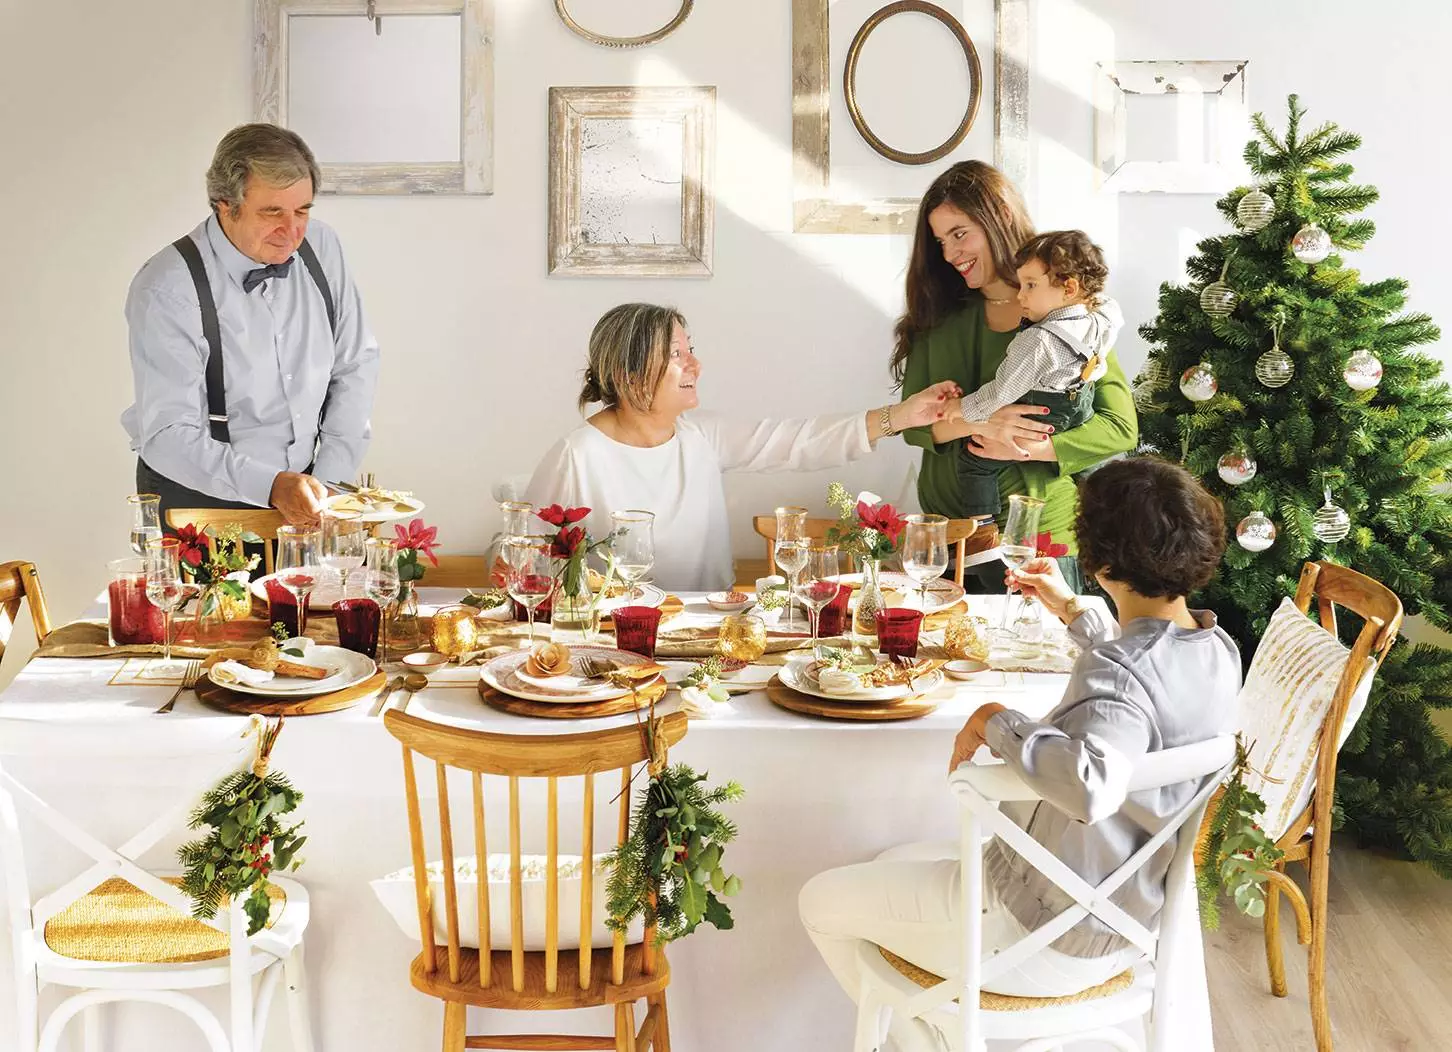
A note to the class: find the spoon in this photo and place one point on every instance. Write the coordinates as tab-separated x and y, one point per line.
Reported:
386	693
412	683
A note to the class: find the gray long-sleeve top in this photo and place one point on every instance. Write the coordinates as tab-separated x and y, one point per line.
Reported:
1152	685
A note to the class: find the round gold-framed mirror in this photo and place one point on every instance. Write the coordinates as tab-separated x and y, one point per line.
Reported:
975	76
644	40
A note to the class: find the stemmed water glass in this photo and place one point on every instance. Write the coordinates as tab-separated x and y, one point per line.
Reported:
816	584
634	547
145	520
530	581
164	584
298	552
380	582
517	516
344	543
925	550
1018	543
790	552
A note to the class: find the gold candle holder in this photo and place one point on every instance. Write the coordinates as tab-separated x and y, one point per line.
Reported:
742	638
454	630
966	636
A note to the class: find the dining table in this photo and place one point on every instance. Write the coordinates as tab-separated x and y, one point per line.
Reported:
819	793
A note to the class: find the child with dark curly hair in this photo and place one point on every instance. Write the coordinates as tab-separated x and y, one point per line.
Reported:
1055	359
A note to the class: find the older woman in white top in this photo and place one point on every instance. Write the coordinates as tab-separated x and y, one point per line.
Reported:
645	449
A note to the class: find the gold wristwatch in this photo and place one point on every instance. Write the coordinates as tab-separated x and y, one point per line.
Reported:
1076	606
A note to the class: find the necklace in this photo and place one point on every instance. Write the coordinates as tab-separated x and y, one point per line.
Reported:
998	303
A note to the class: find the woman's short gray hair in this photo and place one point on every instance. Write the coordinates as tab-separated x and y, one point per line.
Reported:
275	155
630	348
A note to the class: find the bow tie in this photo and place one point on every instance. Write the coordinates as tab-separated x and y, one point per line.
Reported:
261	274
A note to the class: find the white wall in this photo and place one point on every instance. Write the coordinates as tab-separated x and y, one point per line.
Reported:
109	114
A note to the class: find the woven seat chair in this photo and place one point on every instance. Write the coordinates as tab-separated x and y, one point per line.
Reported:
1174	970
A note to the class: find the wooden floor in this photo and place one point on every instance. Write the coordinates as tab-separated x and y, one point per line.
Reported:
1389	965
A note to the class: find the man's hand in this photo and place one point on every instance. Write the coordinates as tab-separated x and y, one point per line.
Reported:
973	734
299	497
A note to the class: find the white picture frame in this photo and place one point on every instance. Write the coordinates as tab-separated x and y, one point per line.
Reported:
1199	169
468	169
595	211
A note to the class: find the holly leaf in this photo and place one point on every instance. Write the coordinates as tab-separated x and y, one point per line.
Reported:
718	913
257	907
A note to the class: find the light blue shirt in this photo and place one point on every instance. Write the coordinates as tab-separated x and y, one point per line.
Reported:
280	362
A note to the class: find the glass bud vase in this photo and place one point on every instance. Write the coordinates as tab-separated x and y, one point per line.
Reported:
869	601
574	615
405	633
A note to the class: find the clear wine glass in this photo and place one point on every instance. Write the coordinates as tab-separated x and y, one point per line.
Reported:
817	583
530	579
517	517
145	520
925	550
344	543
380	582
790	550
299	551
1018	543
634	547
165	586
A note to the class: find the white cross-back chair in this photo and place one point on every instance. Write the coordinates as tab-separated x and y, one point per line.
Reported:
1169	985
247	967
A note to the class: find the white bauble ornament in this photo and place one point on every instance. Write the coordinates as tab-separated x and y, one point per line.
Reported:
1255	210
1331	522
1256	532
1363	370
1218	299
1311	244
1198	382
1236	468
1275	368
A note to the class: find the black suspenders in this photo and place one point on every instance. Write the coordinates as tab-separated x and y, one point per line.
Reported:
212	330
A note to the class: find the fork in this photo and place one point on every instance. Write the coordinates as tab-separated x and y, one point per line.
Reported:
190	675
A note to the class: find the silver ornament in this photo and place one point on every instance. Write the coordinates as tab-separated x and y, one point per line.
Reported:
1236	468
1275	368
1363	370
1218	299
1311	244
1255	532
1198	382
1255	210
1331	522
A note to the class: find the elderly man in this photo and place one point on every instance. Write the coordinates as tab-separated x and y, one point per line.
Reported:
254	375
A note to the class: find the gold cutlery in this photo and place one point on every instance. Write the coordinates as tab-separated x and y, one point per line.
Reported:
190	675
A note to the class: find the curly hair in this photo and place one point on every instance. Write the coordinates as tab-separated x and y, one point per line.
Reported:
1149	524
1067	254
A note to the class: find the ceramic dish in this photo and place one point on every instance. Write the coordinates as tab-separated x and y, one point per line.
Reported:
349	668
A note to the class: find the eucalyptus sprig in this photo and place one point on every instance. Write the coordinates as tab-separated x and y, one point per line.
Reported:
1237	855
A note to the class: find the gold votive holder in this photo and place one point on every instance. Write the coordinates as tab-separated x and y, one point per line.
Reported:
455	632
966	636
742	638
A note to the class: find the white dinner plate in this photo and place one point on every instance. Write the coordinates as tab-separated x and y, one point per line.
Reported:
414	507
794	675
349	669
506	674
327	590
650	596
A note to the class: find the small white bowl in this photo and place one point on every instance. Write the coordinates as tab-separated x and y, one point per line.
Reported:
425	661
718	601
965	668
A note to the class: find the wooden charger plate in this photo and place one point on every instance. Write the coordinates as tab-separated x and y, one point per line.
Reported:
235	701
586	710
909	708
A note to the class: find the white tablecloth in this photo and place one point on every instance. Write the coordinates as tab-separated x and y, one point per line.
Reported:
818	794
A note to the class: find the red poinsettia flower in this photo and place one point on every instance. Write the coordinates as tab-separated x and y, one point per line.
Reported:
881	517
557	515
194	546
1046	547
419	538
567	542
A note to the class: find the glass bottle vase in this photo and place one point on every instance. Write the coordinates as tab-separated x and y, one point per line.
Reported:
574	614
405	633
869	601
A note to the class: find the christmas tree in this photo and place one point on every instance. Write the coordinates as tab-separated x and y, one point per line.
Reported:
1292	388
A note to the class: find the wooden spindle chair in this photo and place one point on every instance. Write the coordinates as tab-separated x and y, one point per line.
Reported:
21	581
261	521
967	537
514	978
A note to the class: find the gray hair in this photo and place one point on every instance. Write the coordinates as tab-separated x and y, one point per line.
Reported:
629	350
275	155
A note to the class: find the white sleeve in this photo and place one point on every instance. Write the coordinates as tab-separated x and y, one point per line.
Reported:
786	445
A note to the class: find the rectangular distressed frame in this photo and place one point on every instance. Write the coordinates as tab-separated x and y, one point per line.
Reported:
696	108
814	209
1114	82
472	174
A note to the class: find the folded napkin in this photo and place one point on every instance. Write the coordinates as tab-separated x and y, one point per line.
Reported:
698	705
230	672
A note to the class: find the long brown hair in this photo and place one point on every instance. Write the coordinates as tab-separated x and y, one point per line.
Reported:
934	288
